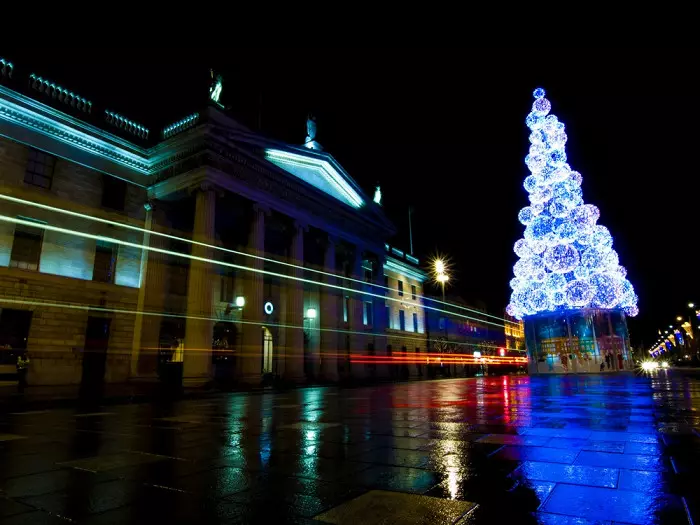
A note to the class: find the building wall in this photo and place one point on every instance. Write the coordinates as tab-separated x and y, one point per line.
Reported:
414	342
57	333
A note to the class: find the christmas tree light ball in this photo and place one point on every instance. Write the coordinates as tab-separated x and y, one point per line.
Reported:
576	178
537	247
593	259
578	293
510	310
522	249
561	174
531	183
538	149
537	209
601	237
581	272
555	282
558	209
567	233
538	228
538	93
558	298
541	106
535	163
557	158
525	215
557	139
606	291
593	212
631	311
561	258
612	260
534	121
621	272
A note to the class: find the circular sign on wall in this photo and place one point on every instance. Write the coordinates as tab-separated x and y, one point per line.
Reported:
269	308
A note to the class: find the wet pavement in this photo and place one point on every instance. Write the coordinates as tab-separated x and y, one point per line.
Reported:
551	450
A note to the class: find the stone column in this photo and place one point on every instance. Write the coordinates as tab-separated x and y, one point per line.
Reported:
358	342
249	363
328	362
199	324
144	349
294	357
381	322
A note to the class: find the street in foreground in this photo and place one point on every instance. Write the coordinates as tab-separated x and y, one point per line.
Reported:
552	450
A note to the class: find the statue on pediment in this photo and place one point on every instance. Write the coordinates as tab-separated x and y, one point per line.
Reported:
310	141
217	85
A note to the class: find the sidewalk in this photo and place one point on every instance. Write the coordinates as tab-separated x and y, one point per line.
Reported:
42	397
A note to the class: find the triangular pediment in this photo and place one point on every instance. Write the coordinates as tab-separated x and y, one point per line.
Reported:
318	170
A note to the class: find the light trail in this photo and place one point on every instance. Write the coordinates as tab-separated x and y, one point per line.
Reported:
58	229
235	252
89	308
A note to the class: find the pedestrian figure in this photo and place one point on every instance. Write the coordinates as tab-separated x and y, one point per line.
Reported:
565	362
607	360
22	370
602	366
619	360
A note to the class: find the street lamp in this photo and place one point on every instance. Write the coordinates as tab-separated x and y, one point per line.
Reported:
440	275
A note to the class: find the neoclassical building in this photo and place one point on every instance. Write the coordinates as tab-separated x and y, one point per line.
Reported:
123	249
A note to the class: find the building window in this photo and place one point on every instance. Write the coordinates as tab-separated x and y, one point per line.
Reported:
226	293
346	308
39	169
388	316
103	269
402	320
415	322
367	269
113	193
400	288
26	248
441	323
367	313
386	281
413	292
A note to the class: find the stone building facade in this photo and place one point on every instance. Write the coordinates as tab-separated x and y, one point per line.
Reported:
122	249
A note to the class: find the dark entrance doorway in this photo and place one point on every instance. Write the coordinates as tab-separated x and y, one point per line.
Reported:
14	332
95	355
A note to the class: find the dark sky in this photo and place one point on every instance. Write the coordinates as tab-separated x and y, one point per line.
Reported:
443	131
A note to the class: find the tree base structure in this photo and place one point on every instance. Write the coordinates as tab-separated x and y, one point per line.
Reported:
578	341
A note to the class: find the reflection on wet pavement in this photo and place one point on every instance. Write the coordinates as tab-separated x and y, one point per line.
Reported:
550	450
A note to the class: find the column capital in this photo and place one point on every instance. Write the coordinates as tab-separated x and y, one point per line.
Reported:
261	208
300	225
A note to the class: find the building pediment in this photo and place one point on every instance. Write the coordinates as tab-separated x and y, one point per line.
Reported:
319	170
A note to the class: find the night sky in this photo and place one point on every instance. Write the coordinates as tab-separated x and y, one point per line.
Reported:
443	131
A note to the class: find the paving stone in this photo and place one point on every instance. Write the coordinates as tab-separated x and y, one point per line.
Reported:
383	507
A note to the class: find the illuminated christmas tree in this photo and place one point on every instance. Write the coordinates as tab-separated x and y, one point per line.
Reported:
566	260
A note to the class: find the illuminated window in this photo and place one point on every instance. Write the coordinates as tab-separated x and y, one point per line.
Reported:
415	322
367	269
402	320
400	288
413	292
26	248
40	167
367	313
103	270
113	193
346	308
